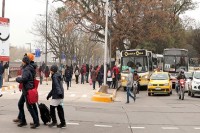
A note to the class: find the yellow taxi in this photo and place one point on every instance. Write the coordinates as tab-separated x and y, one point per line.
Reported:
159	83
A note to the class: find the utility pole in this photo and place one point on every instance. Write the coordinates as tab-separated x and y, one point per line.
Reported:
3	8
46	33
106	43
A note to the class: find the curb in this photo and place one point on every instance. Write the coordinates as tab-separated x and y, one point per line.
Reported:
5	88
104	97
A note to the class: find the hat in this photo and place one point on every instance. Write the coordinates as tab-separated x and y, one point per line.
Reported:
26	60
54	68
30	56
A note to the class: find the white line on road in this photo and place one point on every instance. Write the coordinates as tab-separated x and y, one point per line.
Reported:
137	127
72	95
170	128
197	128
102	125
73	123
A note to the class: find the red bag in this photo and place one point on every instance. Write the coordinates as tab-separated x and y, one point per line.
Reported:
32	95
90	81
20	86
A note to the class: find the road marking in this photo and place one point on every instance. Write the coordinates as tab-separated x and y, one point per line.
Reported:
102	125
73	123
197	128
137	127
170	128
72	95
84	95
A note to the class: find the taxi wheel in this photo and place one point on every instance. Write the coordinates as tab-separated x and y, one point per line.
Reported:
170	92
149	94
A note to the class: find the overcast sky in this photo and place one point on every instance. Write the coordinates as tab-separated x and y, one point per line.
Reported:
22	14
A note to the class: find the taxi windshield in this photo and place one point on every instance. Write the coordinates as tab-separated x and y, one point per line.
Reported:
159	76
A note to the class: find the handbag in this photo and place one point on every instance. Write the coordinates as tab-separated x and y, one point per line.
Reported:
32	94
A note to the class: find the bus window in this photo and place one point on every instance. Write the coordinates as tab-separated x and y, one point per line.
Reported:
169	63
181	63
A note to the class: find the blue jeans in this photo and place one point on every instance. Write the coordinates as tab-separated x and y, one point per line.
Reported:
1	81
129	94
82	78
86	76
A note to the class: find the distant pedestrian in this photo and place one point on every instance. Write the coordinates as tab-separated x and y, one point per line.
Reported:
71	70
109	77
94	77
47	73
82	71
114	79
68	76
129	85
76	72
57	94
99	78
87	73
41	74
1	77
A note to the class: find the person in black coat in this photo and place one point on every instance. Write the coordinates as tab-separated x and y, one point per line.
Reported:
68	76
27	80
57	94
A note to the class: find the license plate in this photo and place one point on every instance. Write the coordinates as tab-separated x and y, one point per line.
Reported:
158	89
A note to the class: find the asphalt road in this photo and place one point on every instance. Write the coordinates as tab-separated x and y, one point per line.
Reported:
154	114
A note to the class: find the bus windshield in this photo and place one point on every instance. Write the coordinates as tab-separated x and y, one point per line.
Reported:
175	63
138	63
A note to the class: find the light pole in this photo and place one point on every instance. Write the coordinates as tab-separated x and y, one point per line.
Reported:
46	33
30	46
106	43
3	8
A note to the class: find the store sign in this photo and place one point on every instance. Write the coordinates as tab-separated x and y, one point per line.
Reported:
4	39
134	53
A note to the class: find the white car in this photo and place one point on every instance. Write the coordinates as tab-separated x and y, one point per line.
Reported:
195	88
188	82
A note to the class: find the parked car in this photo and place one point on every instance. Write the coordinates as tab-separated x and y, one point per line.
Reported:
159	83
188	81
195	88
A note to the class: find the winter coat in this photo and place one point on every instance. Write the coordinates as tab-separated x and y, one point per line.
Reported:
93	75
100	77
27	78
57	91
33	64
68	75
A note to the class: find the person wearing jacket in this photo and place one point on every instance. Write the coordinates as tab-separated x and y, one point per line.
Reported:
94	77
22	100
27	80
1	76
68	76
57	94
76	72
129	85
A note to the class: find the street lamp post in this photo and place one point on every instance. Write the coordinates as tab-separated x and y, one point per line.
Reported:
46	33
3	8
106	42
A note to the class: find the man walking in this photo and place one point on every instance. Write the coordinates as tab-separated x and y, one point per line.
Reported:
129	85
1	77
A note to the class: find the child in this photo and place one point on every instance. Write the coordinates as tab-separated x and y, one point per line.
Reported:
57	94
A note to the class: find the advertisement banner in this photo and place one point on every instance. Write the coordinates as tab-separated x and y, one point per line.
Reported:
4	39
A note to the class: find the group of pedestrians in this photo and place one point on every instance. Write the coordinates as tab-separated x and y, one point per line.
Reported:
57	94
44	72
